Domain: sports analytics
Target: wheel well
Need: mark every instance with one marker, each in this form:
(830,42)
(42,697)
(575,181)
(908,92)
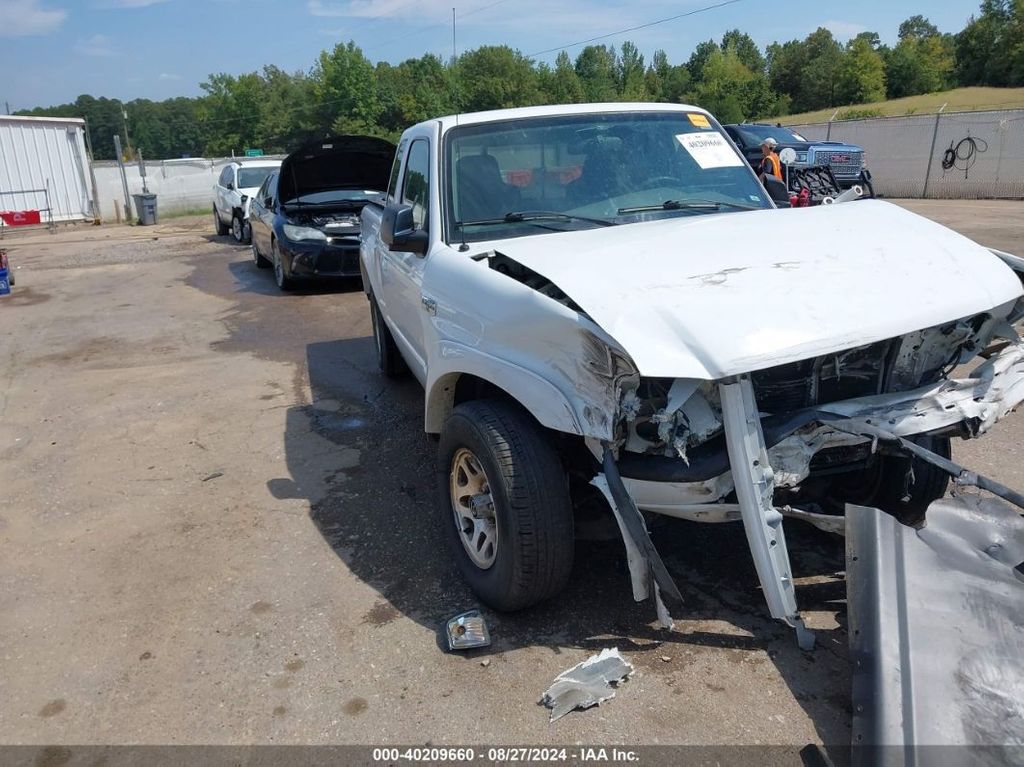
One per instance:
(470,387)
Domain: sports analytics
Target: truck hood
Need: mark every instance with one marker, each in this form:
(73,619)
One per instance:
(337,162)
(715,295)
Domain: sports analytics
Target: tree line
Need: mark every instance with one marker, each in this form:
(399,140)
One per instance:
(344,92)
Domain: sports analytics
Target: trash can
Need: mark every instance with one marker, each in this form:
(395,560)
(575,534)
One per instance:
(145,204)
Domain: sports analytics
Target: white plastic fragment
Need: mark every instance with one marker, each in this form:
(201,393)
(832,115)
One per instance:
(586,684)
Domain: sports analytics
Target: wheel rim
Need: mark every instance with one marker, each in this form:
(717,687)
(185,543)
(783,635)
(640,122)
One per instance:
(216,222)
(473,508)
(255,254)
(246,231)
(236,228)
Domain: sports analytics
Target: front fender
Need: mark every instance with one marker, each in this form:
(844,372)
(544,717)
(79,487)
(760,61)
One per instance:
(540,397)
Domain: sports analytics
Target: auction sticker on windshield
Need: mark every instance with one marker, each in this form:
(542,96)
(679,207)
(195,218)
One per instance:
(698,119)
(710,150)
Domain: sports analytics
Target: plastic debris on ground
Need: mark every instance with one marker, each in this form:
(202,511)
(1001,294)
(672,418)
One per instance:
(467,631)
(587,684)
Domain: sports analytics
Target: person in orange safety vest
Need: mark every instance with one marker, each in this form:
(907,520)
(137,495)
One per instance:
(770,164)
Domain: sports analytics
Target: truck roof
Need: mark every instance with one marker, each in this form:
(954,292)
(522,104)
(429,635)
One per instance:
(473,118)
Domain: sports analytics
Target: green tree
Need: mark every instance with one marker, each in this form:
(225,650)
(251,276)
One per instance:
(746,49)
(862,74)
(731,91)
(921,62)
(564,86)
(344,89)
(699,58)
(497,77)
(917,26)
(632,85)
(786,63)
(990,49)
(820,74)
(596,67)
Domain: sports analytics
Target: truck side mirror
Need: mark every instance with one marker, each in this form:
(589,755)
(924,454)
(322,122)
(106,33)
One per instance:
(398,231)
(777,191)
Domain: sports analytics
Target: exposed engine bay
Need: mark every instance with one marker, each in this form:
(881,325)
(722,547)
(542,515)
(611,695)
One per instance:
(344,222)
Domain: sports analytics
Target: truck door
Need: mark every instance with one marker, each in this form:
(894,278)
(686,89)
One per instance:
(402,273)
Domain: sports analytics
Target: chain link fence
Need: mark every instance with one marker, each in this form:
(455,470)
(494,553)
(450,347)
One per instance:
(953,155)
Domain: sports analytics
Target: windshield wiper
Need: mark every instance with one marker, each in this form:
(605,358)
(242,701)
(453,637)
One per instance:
(517,216)
(687,205)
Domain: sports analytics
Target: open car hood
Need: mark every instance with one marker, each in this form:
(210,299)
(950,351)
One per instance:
(715,295)
(337,162)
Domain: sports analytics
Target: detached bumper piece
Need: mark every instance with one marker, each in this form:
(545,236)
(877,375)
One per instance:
(937,635)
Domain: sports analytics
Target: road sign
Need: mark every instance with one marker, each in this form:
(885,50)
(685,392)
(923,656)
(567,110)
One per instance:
(253,152)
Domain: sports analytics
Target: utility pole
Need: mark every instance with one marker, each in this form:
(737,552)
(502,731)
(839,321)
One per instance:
(127,138)
(124,180)
(7,107)
(124,119)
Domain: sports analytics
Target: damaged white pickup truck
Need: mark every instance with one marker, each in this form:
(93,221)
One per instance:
(603,298)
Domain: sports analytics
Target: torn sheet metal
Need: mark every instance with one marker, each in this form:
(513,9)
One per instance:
(937,634)
(586,684)
(755,486)
(646,569)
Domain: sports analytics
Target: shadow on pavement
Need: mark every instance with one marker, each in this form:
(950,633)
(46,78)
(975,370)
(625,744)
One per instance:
(380,517)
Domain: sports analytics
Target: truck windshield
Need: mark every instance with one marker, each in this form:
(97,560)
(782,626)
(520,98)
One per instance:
(591,169)
(757,133)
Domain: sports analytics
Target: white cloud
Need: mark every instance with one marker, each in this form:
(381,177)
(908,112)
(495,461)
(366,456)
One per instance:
(19,18)
(168,76)
(843,30)
(97,45)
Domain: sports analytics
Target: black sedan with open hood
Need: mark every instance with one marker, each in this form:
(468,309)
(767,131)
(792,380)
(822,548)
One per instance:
(305,218)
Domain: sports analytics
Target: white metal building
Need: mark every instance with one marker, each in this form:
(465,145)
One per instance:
(43,164)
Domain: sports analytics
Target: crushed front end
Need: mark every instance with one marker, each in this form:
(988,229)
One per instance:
(870,425)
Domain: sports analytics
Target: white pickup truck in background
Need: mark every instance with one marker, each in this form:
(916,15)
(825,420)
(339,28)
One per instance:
(603,299)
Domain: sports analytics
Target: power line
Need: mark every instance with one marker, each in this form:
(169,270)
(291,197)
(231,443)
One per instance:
(634,29)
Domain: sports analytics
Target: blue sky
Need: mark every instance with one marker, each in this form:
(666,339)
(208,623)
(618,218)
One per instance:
(53,50)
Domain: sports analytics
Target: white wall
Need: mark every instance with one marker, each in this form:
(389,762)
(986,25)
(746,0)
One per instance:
(903,163)
(179,184)
(45,153)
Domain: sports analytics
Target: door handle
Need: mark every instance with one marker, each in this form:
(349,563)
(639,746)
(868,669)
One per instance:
(429,305)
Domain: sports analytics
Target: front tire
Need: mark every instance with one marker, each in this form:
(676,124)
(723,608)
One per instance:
(237,229)
(506,508)
(389,359)
(284,282)
(257,257)
(218,225)
(909,485)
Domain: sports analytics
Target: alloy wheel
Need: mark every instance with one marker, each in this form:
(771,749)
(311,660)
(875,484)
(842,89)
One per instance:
(473,508)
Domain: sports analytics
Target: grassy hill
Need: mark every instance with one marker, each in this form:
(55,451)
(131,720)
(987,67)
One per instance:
(957,100)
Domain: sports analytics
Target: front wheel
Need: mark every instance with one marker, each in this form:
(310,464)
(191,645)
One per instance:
(505,508)
(237,229)
(284,282)
(218,225)
(389,359)
(257,257)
